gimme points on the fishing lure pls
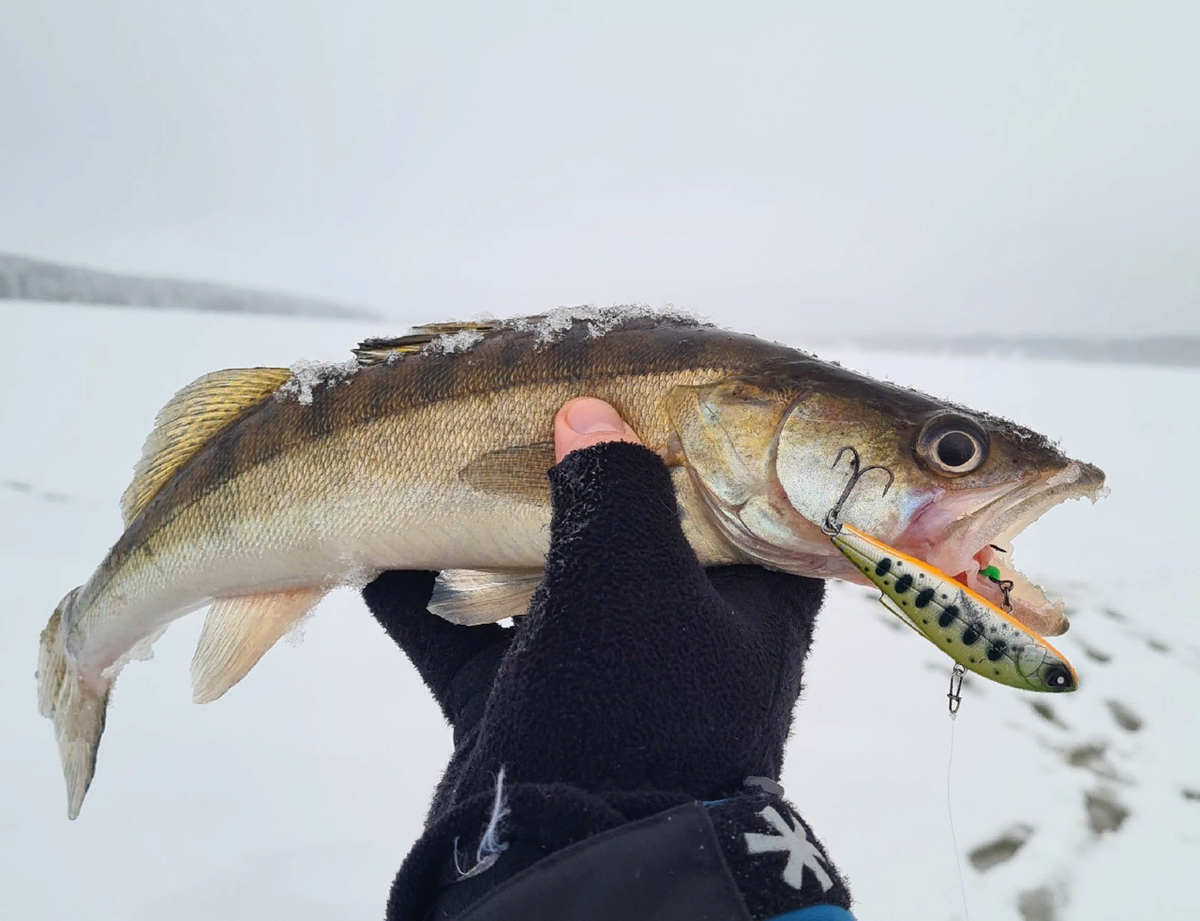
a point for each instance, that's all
(966, 626)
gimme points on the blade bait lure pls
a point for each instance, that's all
(966, 626)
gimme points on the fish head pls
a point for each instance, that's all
(767, 454)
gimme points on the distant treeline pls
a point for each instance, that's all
(1172, 351)
(22, 278)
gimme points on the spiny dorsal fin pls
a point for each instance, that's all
(375, 351)
(191, 420)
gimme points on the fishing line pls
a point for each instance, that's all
(955, 695)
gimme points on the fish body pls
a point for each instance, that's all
(963, 624)
(261, 489)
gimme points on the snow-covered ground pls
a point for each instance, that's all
(299, 792)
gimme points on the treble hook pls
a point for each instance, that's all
(955, 695)
(831, 525)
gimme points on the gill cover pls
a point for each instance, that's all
(728, 438)
(818, 426)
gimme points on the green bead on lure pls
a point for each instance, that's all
(963, 624)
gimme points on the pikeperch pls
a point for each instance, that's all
(261, 489)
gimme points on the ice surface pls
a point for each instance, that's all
(299, 792)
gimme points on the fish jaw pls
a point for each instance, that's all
(957, 535)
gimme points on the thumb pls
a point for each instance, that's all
(586, 421)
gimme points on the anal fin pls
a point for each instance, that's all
(472, 597)
(237, 633)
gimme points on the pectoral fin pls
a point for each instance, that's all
(238, 631)
(518, 472)
(465, 596)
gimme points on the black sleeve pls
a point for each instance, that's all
(633, 668)
(457, 663)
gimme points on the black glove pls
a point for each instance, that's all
(633, 700)
(634, 669)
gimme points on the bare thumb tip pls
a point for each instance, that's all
(586, 421)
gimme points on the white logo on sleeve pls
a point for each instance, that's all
(801, 852)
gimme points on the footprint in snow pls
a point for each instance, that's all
(1095, 654)
(1046, 712)
(1000, 849)
(1124, 716)
(1040, 904)
(27, 489)
(1105, 813)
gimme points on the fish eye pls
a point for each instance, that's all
(953, 444)
(1059, 679)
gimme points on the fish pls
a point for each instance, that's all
(261, 489)
(966, 626)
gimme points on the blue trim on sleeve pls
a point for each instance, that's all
(815, 913)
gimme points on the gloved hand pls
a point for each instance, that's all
(634, 669)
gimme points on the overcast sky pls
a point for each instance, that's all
(956, 167)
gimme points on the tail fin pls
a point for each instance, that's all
(76, 706)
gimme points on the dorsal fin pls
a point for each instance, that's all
(375, 351)
(191, 420)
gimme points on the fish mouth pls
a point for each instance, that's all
(982, 538)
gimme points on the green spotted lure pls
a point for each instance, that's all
(962, 623)
(966, 626)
